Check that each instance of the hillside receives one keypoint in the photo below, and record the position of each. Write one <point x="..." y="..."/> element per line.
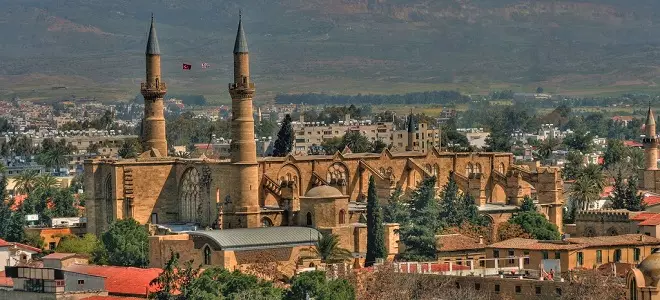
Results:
<point x="95" y="47"/>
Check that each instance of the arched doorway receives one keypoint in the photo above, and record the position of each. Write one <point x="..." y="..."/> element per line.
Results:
<point x="189" y="196"/>
<point x="498" y="194"/>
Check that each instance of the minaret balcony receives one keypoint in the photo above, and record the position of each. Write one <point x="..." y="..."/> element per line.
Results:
<point x="241" y="86"/>
<point x="153" y="86"/>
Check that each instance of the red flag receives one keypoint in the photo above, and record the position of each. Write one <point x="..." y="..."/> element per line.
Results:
<point x="187" y="66"/>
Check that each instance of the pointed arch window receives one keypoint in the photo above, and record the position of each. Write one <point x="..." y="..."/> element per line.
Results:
<point x="309" y="219"/>
<point x="342" y="217"/>
<point x="207" y="255"/>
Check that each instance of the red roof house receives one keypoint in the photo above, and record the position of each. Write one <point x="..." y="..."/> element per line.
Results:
<point x="121" y="281"/>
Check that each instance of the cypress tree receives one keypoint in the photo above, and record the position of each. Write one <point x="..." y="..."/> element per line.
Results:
<point x="284" y="143"/>
<point x="634" y="199"/>
<point x="619" y="194"/>
<point x="396" y="211"/>
<point x="419" y="234"/>
<point x="375" y="231"/>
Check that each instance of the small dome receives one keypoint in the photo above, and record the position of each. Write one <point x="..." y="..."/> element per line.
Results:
<point x="324" y="191"/>
<point x="650" y="268"/>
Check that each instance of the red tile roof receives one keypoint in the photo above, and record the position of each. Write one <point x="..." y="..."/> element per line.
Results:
<point x="651" y="200"/>
<point x="632" y="144"/>
<point x="606" y="191"/>
<point x="111" y="298"/>
<point x="5" y="281"/>
<point x="457" y="242"/>
<point x="435" y="267"/>
<point x="127" y="281"/>
<point x="643" y="216"/>
<point x="652" y="221"/>
<point x="577" y="243"/>
<point x="4" y="243"/>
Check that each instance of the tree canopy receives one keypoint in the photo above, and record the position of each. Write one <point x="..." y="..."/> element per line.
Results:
<point x="285" y="138"/>
<point x="125" y="243"/>
<point x="375" y="230"/>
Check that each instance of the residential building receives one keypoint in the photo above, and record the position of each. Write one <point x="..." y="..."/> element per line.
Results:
<point x="13" y="254"/>
<point x="572" y="253"/>
<point x="459" y="248"/>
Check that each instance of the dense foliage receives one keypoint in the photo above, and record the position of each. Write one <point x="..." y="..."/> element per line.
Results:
<point x="285" y="137"/>
<point x="125" y="243"/>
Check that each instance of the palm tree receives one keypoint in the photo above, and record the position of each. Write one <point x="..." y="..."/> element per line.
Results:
<point x="327" y="248"/>
<point x="56" y="157"/>
<point x="25" y="181"/>
<point x="584" y="191"/>
<point x="595" y="173"/>
<point x="46" y="182"/>
<point x="547" y="146"/>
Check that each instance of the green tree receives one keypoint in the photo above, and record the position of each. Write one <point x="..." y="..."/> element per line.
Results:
<point x="536" y="225"/>
<point x="285" y="138"/>
<point x="457" y="208"/>
<point x="378" y="146"/>
<point x="396" y="210"/>
<point x="573" y="166"/>
<point x="419" y="235"/>
<point x="237" y="285"/>
<point x="327" y="248"/>
<point x="131" y="149"/>
<point x="579" y="141"/>
<point x="634" y="199"/>
<point x="332" y="145"/>
<point x="33" y="239"/>
<point x="619" y="193"/>
<point x="86" y="245"/>
<point x="26" y="181"/>
<point x="528" y="204"/>
<point x="124" y="244"/>
<point x="314" y="285"/>
<point x="63" y="205"/>
<point x="375" y="231"/>
<point x="46" y="181"/>
<point x="547" y="147"/>
<point x="615" y="152"/>
<point x="584" y="191"/>
<point x="357" y="142"/>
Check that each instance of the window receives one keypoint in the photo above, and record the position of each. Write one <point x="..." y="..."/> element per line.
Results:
<point x="458" y="285"/>
<point x="81" y="281"/>
<point x="207" y="255"/>
<point x="599" y="256"/>
<point x="617" y="255"/>
<point x="477" y="286"/>
<point x="558" y="291"/>
<point x="266" y="222"/>
<point x="526" y="254"/>
<point x="309" y="219"/>
<point x="342" y="217"/>
<point x="637" y="254"/>
<point x="497" y="288"/>
<point x="518" y="289"/>
<point x="538" y="290"/>
<point x="633" y="289"/>
<point x="511" y="255"/>
<point x="51" y="246"/>
<point x="496" y="253"/>
<point x="557" y="255"/>
<point x="545" y="254"/>
<point x="580" y="258"/>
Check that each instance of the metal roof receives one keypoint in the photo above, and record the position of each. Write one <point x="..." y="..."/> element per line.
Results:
<point x="260" y="238"/>
<point x="240" y="46"/>
<point x="152" y="40"/>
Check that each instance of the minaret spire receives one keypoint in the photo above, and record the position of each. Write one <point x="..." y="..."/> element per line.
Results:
<point x="152" y="41"/>
<point x="240" y="46"/>
<point x="650" y="141"/>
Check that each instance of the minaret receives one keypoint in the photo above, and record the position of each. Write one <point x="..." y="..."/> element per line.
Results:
<point x="245" y="172"/>
<point x="153" y="90"/>
<point x="411" y="133"/>
<point x="650" y="142"/>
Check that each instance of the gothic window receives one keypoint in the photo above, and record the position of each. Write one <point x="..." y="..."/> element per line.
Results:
<point x="266" y="222"/>
<point x="428" y="168"/>
<point x="477" y="169"/>
<point x="469" y="169"/>
<point x="189" y="196"/>
<point x="612" y="231"/>
<point x="108" y="200"/>
<point x="436" y="170"/>
<point x="309" y="219"/>
<point x="342" y="217"/>
<point x="589" y="232"/>
<point x="337" y="176"/>
<point x="207" y="255"/>
<point x="383" y="172"/>
<point x="500" y="168"/>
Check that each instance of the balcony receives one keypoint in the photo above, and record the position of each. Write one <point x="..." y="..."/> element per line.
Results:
<point x="159" y="86"/>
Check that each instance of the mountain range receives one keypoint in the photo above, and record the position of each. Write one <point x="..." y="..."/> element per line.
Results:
<point x="95" y="48"/>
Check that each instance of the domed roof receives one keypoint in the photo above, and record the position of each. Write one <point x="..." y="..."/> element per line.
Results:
<point x="650" y="268"/>
<point x="324" y="191"/>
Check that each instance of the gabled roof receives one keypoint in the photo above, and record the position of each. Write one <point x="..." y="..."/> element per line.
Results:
<point x="4" y="243"/>
<point x="127" y="281"/>
<point x="260" y="238"/>
<point x="577" y="243"/>
<point x="152" y="41"/>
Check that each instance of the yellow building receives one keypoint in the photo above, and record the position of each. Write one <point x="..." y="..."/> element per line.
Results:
<point x="460" y="249"/>
<point x="572" y="253"/>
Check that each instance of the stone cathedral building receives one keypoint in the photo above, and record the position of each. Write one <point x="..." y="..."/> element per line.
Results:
<point x="321" y="191"/>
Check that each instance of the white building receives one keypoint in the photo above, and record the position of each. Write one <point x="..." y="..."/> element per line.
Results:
<point x="12" y="254"/>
